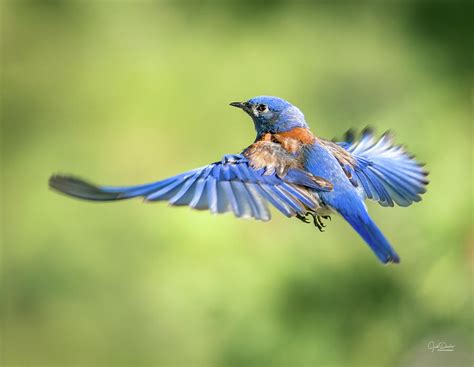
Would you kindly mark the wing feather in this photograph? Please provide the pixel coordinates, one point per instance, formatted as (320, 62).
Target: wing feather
(226, 186)
(386, 172)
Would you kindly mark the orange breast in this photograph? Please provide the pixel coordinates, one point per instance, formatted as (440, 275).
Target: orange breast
(293, 140)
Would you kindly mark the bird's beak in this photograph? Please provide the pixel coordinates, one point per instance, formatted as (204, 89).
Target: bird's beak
(241, 105)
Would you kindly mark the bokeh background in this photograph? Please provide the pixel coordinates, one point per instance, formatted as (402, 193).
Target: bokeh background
(130, 92)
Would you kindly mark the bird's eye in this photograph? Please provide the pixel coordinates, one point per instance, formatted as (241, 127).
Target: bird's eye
(262, 108)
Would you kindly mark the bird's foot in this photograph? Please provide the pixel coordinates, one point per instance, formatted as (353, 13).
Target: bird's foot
(317, 220)
(326, 217)
(318, 223)
(303, 218)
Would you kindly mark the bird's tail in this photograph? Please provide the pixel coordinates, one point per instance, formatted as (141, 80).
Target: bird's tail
(81, 189)
(367, 229)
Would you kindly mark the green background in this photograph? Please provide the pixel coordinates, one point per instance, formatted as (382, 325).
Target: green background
(130, 92)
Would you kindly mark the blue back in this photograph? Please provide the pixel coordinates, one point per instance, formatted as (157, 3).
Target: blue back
(320, 162)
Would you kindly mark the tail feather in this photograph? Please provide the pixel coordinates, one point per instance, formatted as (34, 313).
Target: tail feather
(373, 236)
(81, 189)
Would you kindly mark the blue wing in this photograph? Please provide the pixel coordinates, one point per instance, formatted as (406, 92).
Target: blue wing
(385, 172)
(226, 186)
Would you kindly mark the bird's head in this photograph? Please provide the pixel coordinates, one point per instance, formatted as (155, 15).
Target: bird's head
(272, 114)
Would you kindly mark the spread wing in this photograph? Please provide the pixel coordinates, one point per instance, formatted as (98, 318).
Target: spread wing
(386, 172)
(231, 185)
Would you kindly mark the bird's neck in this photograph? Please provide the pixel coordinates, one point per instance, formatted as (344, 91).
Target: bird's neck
(291, 140)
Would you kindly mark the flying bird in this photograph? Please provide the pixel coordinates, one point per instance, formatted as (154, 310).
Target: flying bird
(300, 174)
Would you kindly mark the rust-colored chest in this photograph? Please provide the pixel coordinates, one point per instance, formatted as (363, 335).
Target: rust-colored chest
(292, 141)
(279, 151)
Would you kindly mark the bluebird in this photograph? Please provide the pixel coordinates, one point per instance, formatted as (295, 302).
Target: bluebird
(298, 173)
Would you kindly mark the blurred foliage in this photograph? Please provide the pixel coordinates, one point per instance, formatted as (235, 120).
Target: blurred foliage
(128, 92)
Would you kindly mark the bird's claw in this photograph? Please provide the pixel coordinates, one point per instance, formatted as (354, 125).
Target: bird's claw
(317, 220)
(302, 218)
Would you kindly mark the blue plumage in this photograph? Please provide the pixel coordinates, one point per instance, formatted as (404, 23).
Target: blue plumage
(387, 172)
(220, 187)
(364, 225)
(293, 170)
(346, 200)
